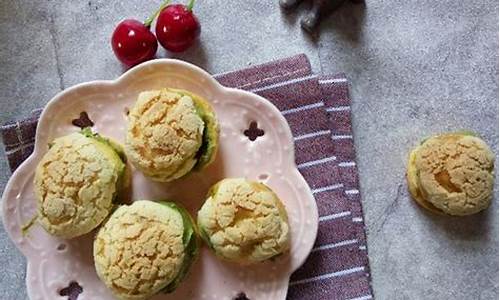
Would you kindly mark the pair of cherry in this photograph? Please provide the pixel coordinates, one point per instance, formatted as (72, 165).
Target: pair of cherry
(176, 29)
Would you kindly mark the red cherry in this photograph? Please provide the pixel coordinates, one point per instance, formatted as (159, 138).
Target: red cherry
(177, 27)
(133, 42)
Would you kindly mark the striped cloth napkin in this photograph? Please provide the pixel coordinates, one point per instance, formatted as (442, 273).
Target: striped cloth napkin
(317, 109)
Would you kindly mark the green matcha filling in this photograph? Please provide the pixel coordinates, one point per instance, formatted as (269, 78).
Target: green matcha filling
(209, 141)
(208, 147)
(190, 243)
(203, 234)
(117, 148)
(205, 237)
(213, 190)
(466, 132)
(26, 227)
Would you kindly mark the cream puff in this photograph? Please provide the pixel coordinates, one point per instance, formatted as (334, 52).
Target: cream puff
(244, 221)
(171, 132)
(452, 174)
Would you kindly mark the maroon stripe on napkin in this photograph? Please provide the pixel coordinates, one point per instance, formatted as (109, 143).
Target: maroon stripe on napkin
(342, 124)
(18, 139)
(307, 121)
(356, 208)
(17, 157)
(335, 231)
(337, 103)
(344, 149)
(349, 175)
(266, 74)
(19, 134)
(332, 201)
(339, 286)
(324, 174)
(321, 262)
(337, 87)
(313, 151)
(297, 94)
(358, 221)
(307, 149)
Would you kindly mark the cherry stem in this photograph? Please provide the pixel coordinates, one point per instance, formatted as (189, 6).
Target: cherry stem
(151, 18)
(190, 5)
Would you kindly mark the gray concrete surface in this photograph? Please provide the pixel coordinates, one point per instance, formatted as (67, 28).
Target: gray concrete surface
(416, 67)
(416, 70)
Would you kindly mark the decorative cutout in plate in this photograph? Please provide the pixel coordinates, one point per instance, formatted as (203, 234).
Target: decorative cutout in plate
(241, 296)
(71, 291)
(83, 121)
(51, 268)
(253, 132)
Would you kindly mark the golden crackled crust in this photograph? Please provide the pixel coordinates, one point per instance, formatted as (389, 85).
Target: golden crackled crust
(412, 178)
(139, 250)
(75, 183)
(452, 173)
(244, 221)
(164, 134)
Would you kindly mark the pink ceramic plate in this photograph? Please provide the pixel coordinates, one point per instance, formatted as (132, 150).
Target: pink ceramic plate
(53, 263)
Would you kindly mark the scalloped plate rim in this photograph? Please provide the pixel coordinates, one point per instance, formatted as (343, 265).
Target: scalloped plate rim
(291, 166)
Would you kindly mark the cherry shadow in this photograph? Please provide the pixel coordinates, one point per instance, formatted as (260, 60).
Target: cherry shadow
(196, 54)
(347, 21)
